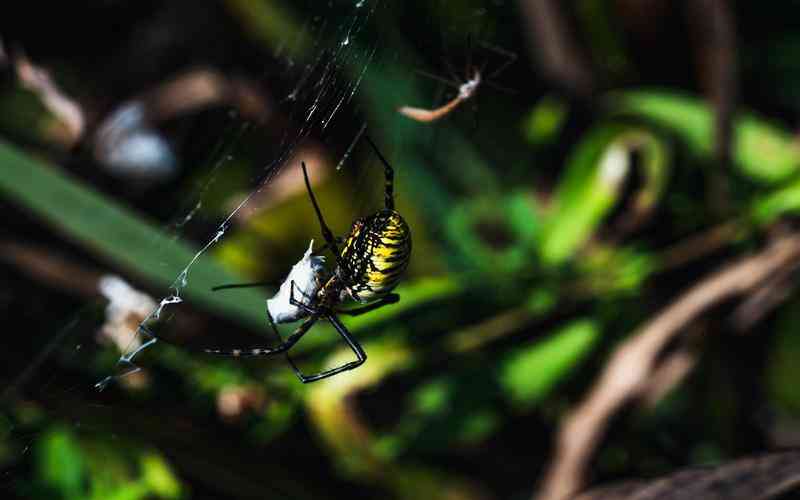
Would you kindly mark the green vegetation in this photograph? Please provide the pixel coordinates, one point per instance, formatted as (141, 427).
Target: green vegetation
(550, 221)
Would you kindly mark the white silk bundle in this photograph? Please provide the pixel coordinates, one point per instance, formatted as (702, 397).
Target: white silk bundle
(306, 275)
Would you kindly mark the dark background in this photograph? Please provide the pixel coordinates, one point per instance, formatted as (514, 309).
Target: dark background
(527, 270)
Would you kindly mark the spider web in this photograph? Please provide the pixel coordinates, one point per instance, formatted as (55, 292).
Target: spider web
(322, 76)
(324, 88)
(322, 67)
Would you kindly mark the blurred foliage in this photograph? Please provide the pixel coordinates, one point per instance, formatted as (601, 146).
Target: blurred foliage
(763, 151)
(547, 226)
(529, 373)
(70, 469)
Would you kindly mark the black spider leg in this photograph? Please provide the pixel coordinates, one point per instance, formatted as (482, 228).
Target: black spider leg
(302, 305)
(351, 342)
(472, 74)
(392, 298)
(346, 335)
(446, 60)
(437, 78)
(388, 173)
(468, 69)
(339, 241)
(511, 58)
(242, 285)
(274, 328)
(269, 351)
(278, 333)
(330, 239)
(499, 88)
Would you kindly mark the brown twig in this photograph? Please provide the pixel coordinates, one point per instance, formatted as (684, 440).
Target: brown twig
(51, 268)
(750, 478)
(288, 182)
(3, 56)
(763, 300)
(118, 139)
(630, 367)
(203, 87)
(557, 53)
(62, 106)
(699, 245)
(669, 374)
(713, 29)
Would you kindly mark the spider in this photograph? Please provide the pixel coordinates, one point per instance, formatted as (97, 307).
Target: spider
(465, 91)
(369, 265)
(471, 82)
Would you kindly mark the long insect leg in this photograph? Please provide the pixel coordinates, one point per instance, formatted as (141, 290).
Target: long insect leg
(392, 298)
(351, 342)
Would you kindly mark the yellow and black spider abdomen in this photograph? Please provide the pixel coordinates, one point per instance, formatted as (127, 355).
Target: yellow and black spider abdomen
(375, 255)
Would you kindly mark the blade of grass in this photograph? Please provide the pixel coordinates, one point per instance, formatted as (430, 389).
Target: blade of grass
(116, 234)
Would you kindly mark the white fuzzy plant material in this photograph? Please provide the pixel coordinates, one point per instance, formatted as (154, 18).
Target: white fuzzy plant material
(127, 307)
(306, 275)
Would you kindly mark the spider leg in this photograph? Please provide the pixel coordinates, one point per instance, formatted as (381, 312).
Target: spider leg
(280, 339)
(354, 345)
(482, 68)
(446, 59)
(339, 241)
(302, 305)
(267, 351)
(330, 239)
(388, 173)
(241, 285)
(511, 58)
(469, 68)
(392, 298)
(500, 88)
(438, 78)
(273, 327)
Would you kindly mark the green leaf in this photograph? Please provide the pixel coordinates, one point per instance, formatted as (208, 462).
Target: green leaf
(610, 269)
(478, 426)
(128, 491)
(770, 206)
(593, 182)
(60, 463)
(782, 368)
(433, 397)
(763, 151)
(546, 120)
(271, 24)
(494, 234)
(117, 234)
(158, 475)
(530, 372)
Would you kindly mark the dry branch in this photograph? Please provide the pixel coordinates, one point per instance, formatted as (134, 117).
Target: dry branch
(68, 111)
(630, 368)
(50, 268)
(713, 27)
(752, 478)
(556, 50)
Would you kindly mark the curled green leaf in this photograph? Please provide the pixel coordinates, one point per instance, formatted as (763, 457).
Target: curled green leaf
(593, 182)
(763, 151)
